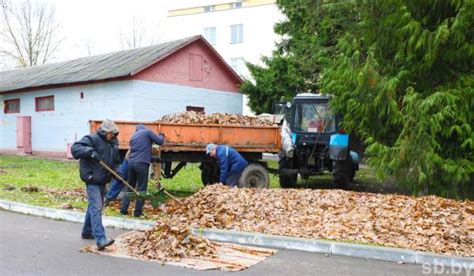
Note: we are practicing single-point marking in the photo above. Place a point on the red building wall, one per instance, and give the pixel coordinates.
(194, 65)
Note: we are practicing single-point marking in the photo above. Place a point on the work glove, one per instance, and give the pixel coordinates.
(95, 156)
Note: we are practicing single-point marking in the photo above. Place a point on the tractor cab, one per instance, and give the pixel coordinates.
(309, 116)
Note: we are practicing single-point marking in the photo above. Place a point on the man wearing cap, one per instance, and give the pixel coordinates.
(231, 163)
(92, 148)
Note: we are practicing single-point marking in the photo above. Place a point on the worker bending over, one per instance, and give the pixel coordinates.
(231, 163)
(139, 164)
(91, 149)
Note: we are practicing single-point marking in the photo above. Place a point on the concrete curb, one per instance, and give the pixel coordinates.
(123, 223)
(382, 253)
(258, 239)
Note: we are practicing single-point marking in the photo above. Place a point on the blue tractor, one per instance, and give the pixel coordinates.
(319, 143)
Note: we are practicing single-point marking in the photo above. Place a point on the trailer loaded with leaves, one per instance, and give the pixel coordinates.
(188, 133)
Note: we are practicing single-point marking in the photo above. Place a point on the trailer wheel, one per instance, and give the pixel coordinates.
(254, 176)
(342, 173)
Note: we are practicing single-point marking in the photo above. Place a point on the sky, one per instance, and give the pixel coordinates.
(92, 27)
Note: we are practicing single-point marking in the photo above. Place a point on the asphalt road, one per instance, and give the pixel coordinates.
(38, 246)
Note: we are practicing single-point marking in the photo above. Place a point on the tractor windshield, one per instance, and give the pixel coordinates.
(314, 117)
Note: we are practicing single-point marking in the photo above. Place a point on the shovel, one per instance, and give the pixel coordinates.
(155, 198)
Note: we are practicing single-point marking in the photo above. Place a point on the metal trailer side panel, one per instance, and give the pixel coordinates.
(194, 137)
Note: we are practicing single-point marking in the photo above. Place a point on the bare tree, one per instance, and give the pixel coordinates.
(138, 33)
(88, 46)
(29, 32)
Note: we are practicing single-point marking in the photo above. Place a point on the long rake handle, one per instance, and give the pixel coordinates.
(172, 196)
(167, 193)
(72, 172)
(118, 177)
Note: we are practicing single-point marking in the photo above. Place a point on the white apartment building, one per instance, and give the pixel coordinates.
(239, 30)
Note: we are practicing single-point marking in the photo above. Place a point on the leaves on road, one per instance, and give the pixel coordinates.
(170, 241)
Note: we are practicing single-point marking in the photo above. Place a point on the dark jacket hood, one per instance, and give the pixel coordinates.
(140, 127)
(101, 133)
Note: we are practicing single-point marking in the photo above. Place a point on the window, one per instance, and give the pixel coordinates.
(237, 5)
(314, 117)
(236, 33)
(209, 8)
(44, 103)
(198, 109)
(195, 67)
(12, 106)
(238, 64)
(210, 35)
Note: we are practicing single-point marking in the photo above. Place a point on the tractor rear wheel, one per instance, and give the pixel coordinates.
(254, 176)
(287, 180)
(342, 173)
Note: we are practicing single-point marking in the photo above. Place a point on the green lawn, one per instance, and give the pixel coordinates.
(17, 172)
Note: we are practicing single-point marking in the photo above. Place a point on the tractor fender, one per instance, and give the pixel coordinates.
(339, 146)
(355, 158)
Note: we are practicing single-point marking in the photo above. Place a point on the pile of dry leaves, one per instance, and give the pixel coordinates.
(428, 223)
(191, 117)
(169, 241)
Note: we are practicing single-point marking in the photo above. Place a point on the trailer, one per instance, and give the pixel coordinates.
(186, 143)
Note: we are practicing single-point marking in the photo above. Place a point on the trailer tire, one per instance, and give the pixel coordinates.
(342, 173)
(254, 176)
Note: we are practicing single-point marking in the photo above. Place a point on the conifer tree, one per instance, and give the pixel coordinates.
(400, 72)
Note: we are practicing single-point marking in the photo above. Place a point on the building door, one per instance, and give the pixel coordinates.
(23, 134)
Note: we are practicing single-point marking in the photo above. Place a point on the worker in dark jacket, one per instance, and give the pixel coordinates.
(139, 164)
(100, 146)
(231, 163)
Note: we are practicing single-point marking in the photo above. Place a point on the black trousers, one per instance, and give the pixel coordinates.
(138, 178)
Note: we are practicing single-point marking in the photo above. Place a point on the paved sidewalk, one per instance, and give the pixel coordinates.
(40, 246)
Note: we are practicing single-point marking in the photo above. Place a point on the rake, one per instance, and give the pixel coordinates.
(155, 198)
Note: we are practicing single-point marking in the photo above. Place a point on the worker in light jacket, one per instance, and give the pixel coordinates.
(231, 163)
(91, 149)
(139, 164)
